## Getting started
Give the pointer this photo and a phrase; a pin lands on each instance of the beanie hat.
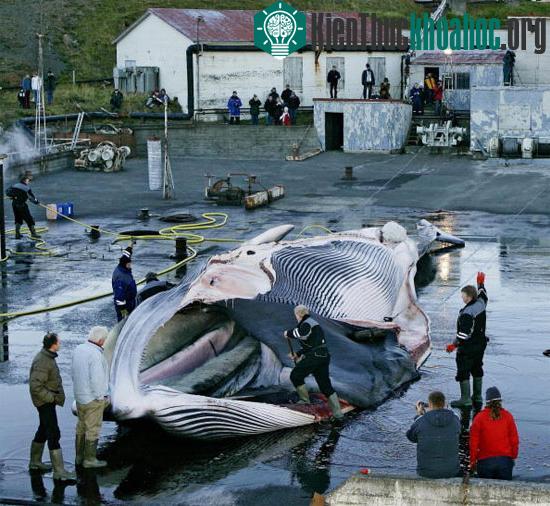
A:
(126, 257)
(492, 394)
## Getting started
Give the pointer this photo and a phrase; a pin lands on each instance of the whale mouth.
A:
(201, 350)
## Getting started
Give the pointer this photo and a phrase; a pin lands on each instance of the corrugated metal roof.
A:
(481, 57)
(230, 26)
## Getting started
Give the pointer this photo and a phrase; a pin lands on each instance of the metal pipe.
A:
(4, 353)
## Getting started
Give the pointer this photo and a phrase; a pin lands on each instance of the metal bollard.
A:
(181, 254)
(348, 174)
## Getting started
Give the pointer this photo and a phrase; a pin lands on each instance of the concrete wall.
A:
(509, 111)
(398, 491)
(154, 43)
(39, 166)
(480, 75)
(381, 126)
(236, 142)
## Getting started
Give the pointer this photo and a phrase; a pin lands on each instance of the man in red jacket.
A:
(494, 440)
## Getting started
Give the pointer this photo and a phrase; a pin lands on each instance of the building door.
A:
(378, 67)
(434, 71)
(293, 68)
(334, 130)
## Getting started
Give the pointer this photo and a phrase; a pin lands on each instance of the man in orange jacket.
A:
(494, 440)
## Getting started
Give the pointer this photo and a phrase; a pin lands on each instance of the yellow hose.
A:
(168, 233)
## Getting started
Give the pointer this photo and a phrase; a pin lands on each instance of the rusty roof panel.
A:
(481, 57)
(229, 25)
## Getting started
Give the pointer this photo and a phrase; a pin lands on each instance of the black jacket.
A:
(436, 434)
(333, 77)
(471, 323)
(20, 193)
(152, 288)
(364, 75)
(293, 102)
(285, 95)
(310, 335)
(254, 106)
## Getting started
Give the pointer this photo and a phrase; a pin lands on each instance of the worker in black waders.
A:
(19, 193)
(470, 343)
(124, 286)
(313, 358)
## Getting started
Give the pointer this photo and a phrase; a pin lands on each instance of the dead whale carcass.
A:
(184, 356)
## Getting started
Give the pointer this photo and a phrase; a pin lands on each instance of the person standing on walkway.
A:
(313, 358)
(269, 107)
(116, 100)
(293, 104)
(429, 88)
(438, 97)
(332, 79)
(26, 86)
(50, 84)
(46, 388)
(285, 95)
(234, 105)
(436, 432)
(19, 193)
(255, 104)
(416, 99)
(90, 374)
(367, 80)
(494, 440)
(36, 85)
(124, 286)
(470, 343)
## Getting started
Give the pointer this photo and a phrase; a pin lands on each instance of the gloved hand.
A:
(480, 278)
(59, 399)
(451, 347)
(124, 313)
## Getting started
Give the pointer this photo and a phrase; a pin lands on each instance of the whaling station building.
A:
(201, 56)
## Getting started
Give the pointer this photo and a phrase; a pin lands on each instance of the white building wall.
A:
(154, 43)
(257, 72)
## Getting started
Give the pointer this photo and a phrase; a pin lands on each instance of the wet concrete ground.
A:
(146, 465)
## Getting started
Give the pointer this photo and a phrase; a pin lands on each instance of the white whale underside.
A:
(357, 277)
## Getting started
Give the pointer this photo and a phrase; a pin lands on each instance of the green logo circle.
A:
(280, 30)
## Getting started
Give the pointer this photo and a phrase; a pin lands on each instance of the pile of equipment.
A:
(222, 191)
(105, 157)
(441, 135)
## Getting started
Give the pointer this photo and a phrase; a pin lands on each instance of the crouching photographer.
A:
(435, 431)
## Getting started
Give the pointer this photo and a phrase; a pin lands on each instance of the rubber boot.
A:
(334, 404)
(35, 463)
(465, 401)
(303, 394)
(59, 471)
(477, 397)
(18, 231)
(33, 234)
(79, 449)
(90, 456)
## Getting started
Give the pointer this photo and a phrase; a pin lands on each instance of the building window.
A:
(457, 81)
(293, 72)
(378, 67)
(339, 62)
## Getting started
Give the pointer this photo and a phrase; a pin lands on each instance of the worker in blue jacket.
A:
(234, 105)
(124, 286)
